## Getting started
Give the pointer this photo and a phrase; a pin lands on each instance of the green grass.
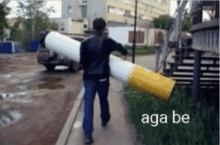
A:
(193, 133)
(139, 50)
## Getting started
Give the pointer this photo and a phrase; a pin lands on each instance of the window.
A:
(84, 11)
(62, 28)
(139, 36)
(69, 9)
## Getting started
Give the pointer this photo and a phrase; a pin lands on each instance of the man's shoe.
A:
(104, 123)
(88, 139)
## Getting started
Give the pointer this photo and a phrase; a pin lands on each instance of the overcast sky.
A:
(57, 6)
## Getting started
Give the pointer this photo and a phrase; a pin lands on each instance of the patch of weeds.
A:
(201, 129)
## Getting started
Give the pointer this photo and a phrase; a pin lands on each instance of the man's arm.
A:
(114, 46)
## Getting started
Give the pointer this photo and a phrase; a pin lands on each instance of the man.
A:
(94, 58)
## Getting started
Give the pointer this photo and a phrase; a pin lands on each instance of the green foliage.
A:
(162, 22)
(139, 50)
(15, 31)
(187, 21)
(4, 10)
(197, 131)
(33, 16)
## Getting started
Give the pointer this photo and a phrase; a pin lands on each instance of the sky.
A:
(57, 6)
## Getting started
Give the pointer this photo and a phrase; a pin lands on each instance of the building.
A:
(12, 21)
(115, 12)
(124, 35)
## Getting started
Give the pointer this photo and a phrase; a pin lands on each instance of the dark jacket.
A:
(94, 56)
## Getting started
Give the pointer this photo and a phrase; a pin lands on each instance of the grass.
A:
(139, 50)
(194, 133)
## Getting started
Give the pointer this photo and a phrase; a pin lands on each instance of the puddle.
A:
(21, 87)
(9, 117)
(52, 79)
(6, 96)
(8, 76)
(11, 95)
(51, 86)
(51, 83)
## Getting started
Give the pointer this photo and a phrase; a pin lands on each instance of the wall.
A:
(96, 8)
(75, 9)
(67, 22)
(121, 34)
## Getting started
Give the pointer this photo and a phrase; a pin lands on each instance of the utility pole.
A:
(135, 23)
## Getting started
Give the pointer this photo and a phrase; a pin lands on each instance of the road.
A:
(34, 103)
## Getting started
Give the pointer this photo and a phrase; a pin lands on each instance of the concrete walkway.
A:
(117, 132)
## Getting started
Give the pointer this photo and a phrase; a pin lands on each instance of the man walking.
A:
(94, 58)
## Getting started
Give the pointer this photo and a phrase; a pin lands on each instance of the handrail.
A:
(170, 30)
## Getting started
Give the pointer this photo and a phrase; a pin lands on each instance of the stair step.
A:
(204, 85)
(191, 76)
(192, 58)
(192, 64)
(190, 80)
(191, 70)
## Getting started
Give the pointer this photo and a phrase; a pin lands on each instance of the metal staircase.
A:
(163, 51)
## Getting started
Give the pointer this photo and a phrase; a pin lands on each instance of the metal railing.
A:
(162, 52)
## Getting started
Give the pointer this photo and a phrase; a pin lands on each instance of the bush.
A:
(200, 129)
(139, 50)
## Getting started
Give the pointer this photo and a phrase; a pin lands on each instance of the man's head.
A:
(99, 24)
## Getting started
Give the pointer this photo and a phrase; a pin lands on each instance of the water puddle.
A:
(9, 117)
(51, 83)
(52, 79)
(8, 76)
(12, 95)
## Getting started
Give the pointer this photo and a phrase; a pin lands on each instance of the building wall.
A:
(116, 12)
(121, 35)
(71, 25)
(63, 22)
(124, 10)
(96, 8)
(12, 21)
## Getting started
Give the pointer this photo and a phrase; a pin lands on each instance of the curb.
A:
(63, 137)
(134, 135)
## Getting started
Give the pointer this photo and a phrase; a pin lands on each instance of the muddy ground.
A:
(34, 103)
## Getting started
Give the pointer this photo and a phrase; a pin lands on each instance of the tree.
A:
(210, 12)
(34, 18)
(16, 32)
(162, 22)
(4, 10)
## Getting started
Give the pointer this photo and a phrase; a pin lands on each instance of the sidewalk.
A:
(117, 132)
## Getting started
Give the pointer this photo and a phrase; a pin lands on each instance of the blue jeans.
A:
(91, 86)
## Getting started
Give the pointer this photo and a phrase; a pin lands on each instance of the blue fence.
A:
(10, 47)
(34, 45)
(6, 47)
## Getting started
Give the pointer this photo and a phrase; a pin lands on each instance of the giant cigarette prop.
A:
(138, 77)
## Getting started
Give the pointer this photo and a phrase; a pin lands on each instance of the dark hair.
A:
(99, 24)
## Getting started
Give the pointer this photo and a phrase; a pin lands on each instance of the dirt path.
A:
(34, 103)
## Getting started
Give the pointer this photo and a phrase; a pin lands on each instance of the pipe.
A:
(137, 76)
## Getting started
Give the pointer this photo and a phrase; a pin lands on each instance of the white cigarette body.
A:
(138, 77)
